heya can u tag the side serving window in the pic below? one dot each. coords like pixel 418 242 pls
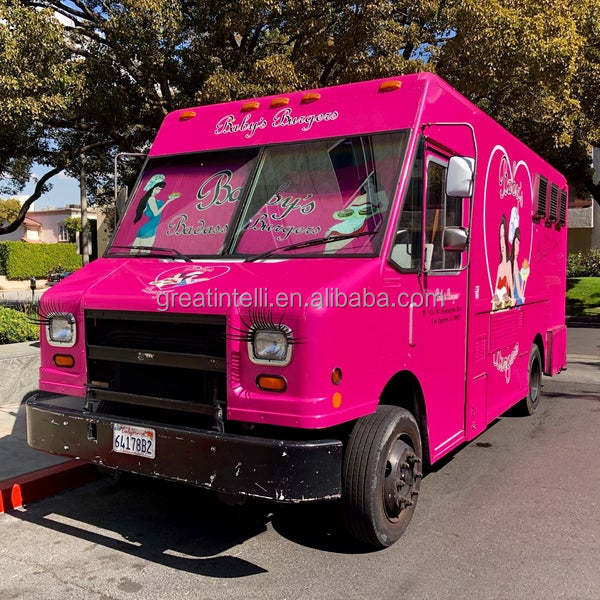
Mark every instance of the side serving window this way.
pixel 406 251
pixel 442 212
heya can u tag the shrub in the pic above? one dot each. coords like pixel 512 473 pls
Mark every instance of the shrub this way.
pixel 16 326
pixel 22 260
pixel 584 264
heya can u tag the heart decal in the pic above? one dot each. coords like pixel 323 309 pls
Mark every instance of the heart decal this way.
pixel 507 228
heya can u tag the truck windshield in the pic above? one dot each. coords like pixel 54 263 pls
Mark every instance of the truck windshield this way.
pixel 254 201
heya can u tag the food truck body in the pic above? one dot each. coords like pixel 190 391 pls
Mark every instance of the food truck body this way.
pixel 312 296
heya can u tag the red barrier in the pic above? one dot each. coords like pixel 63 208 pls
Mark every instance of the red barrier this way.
pixel 24 489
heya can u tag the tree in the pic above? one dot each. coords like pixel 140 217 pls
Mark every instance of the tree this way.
pixel 101 79
pixel 535 67
pixel 9 209
pixel 73 226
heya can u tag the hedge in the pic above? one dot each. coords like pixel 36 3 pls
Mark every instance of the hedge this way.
pixel 584 264
pixel 22 260
pixel 16 326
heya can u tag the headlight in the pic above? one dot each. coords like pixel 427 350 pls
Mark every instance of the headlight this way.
pixel 272 346
pixel 61 329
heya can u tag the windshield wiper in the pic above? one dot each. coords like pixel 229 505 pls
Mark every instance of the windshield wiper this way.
pixel 175 252
pixel 308 243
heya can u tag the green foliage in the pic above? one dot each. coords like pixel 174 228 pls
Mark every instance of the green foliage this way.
pixel 110 75
pixel 20 260
pixel 73 226
pixel 584 264
pixel 9 209
pixel 583 296
pixel 16 326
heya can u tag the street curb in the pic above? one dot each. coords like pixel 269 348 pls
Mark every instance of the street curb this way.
pixel 582 321
pixel 24 489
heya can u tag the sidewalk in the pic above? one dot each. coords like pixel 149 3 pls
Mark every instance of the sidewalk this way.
pixel 26 474
pixel 19 371
pixel 19 366
pixel 11 297
pixel 16 457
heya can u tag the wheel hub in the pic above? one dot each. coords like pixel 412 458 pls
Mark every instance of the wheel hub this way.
pixel 402 474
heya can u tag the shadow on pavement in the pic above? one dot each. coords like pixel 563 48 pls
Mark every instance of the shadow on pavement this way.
pixel 182 527
pixel 172 525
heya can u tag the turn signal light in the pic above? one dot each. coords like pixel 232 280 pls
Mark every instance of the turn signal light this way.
pixel 64 360
pixel 277 102
pixel 390 86
pixel 271 383
pixel 247 106
pixel 186 115
pixel 336 400
pixel 310 97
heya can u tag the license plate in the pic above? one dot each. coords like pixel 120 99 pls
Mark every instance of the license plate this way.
pixel 134 440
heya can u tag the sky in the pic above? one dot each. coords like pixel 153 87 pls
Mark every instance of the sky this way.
pixel 65 190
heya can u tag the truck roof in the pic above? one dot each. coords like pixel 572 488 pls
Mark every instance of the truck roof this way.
pixel 363 107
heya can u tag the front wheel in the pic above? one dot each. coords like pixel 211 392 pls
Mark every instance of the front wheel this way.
pixel 382 475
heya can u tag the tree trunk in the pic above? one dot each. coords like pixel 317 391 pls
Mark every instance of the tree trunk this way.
pixel 84 237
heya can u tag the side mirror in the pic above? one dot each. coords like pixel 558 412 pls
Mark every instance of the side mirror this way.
pixel 121 202
pixel 459 181
pixel 455 239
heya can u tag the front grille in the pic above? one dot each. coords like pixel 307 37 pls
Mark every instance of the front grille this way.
pixel 156 364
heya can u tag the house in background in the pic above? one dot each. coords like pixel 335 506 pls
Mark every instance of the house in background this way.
pixel 48 225
pixel 584 217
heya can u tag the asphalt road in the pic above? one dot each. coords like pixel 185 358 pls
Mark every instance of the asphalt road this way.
pixel 514 514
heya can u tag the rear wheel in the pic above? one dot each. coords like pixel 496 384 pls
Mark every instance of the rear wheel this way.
pixel 382 475
pixel 529 405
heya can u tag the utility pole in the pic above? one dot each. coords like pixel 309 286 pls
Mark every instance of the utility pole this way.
pixel 83 238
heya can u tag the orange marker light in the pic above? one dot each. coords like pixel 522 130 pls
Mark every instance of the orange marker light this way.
pixel 271 383
pixel 277 102
pixel 336 376
pixel 390 86
pixel 248 106
pixel 310 97
pixel 64 360
pixel 336 400
pixel 186 115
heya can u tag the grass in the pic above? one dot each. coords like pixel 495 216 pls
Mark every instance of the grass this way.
pixel 583 296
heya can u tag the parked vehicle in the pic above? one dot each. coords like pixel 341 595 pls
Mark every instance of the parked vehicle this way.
pixel 312 296
pixel 54 278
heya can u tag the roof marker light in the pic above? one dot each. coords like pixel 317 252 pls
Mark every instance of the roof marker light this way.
pixel 310 97
pixel 248 106
pixel 186 115
pixel 390 86
pixel 277 102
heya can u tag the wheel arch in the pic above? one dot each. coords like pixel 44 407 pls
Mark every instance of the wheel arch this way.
pixel 539 342
pixel 404 391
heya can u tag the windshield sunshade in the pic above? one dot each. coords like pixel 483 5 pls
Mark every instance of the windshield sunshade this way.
pixel 275 197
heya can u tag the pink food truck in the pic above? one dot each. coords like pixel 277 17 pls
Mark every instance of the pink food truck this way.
pixel 312 296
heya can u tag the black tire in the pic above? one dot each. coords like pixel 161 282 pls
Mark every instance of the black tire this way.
pixel 530 403
pixel 382 476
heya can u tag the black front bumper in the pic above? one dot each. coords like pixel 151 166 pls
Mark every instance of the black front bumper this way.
pixel 279 470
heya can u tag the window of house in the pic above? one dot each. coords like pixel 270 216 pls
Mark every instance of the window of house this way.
pixel 63 234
